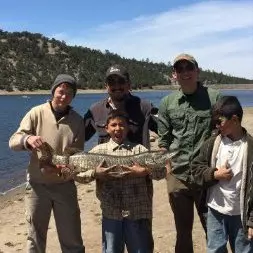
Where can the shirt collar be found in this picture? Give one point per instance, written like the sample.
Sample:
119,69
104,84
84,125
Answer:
125,145
228,141
109,102
49,102
182,97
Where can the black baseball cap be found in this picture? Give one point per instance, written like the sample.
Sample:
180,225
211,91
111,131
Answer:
117,70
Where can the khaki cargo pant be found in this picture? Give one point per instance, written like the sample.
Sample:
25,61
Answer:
41,199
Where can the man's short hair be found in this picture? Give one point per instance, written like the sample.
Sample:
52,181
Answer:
227,106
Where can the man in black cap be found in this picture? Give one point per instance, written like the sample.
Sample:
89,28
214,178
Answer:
184,123
140,121
141,113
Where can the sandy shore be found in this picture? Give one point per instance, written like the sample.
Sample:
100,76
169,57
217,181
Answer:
13,227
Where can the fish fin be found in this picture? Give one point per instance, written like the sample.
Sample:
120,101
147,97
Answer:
71,151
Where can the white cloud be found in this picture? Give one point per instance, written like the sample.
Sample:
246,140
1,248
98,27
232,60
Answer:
218,33
60,36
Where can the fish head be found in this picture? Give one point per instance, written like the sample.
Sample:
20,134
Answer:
49,157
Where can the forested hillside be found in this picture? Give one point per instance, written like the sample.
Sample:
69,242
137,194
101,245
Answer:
31,61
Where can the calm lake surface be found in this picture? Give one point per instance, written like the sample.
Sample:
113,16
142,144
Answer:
13,164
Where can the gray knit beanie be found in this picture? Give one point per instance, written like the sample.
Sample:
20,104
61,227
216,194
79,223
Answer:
64,78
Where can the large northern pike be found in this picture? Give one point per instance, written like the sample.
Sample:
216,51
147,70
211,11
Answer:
82,161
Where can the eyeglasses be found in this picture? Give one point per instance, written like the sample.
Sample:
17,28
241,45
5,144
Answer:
113,81
189,67
220,121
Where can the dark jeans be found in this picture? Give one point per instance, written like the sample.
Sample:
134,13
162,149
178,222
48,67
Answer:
135,234
182,204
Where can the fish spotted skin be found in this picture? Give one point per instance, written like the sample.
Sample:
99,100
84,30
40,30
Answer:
82,161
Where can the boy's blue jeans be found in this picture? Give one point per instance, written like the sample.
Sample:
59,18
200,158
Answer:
222,228
135,234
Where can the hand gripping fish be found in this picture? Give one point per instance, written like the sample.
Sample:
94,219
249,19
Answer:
81,161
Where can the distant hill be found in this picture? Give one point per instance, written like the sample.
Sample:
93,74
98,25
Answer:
30,61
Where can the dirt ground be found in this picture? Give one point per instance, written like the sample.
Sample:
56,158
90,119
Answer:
13,226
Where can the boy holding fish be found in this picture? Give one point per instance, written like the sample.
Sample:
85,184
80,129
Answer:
126,198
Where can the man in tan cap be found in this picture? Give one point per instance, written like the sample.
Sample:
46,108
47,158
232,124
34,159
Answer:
184,124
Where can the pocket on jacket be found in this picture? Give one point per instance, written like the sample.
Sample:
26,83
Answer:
204,118
177,120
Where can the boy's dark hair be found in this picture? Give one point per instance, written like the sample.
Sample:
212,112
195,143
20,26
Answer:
117,114
227,106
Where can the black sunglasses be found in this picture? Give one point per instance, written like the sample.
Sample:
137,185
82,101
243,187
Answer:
113,80
188,67
217,122
220,120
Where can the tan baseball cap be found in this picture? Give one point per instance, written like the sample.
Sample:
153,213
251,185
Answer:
186,57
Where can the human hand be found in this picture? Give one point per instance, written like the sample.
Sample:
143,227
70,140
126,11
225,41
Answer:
35,141
223,173
168,167
63,171
102,172
66,171
163,149
48,169
135,170
250,233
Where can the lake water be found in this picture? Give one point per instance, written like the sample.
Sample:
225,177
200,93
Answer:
13,164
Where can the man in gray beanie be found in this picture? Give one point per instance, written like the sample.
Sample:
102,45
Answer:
64,78
56,123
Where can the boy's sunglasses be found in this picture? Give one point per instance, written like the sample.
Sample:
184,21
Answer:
112,81
221,120
188,67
